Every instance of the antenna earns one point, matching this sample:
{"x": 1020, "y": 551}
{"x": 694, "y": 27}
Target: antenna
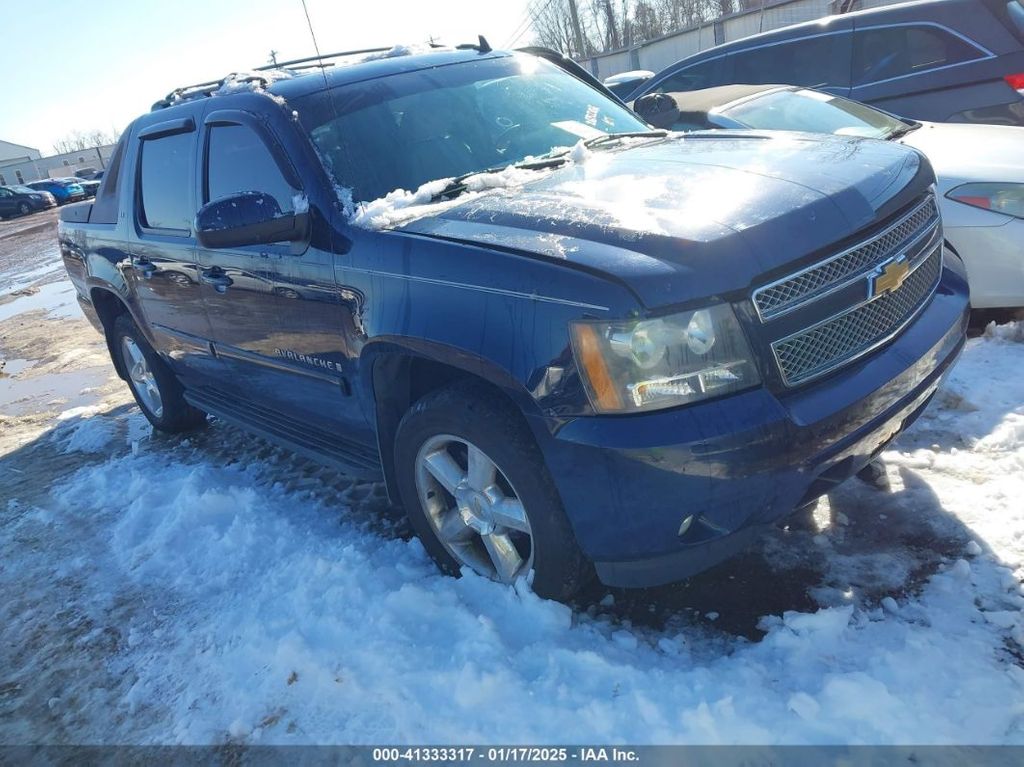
{"x": 316, "y": 46}
{"x": 483, "y": 46}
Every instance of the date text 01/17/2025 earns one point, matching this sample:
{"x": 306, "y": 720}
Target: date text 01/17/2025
{"x": 503, "y": 754}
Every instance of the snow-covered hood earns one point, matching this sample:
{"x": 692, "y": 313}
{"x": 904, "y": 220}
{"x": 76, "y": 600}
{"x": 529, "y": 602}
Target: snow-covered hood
{"x": 691, "y": 217}
{"x": 960, "y": 153}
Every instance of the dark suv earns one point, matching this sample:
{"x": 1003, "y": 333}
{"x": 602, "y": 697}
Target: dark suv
{"x": 942, "y": 60}
{"x": 564, "y": 340}
{"x": 20, "y": 200}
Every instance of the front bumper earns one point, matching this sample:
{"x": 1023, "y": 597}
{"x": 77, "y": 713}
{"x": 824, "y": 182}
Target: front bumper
{"x": 994, "y": 257}
{"x": 741, "y": 462}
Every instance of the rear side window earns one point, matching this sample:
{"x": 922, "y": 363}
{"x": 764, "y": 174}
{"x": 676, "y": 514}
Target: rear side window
{"x": 164, "y": 182}
{"x": 104, "y": 208}
{"x": 811, "y": 62}
{"x": 882, "y": 53}
{"x": 239, "y": 161}
{"x": 703, "y": 74}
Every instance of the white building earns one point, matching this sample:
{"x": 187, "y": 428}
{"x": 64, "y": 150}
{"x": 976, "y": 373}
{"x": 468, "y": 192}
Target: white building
{"x": 21, "y": 164}
{"x": 14, "y": 155}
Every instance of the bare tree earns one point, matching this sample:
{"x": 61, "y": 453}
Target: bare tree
{"x": 607, "y": 21}
{"x": 552, "y": 26}
{"x": 78, "y": 140}
{"x": 647, "y": 23}
{"x": 610, "y": 24}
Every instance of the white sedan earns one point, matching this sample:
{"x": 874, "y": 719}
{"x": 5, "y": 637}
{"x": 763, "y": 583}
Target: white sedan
{"x": 980, "y": 168}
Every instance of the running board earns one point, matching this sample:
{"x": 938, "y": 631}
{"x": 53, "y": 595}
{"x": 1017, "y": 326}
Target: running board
{"x": 351, "y": 457}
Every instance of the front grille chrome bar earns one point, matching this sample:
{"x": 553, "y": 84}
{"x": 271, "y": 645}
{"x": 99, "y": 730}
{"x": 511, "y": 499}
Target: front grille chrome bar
{"x": 825, "y": 277}
{"x": 860, "y": 329}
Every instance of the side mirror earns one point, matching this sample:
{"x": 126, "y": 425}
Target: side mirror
{"x": 657, "y": 109}
{"x": 248, "y": 218}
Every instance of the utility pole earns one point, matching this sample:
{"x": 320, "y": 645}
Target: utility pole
{"x": 574, "y": 16}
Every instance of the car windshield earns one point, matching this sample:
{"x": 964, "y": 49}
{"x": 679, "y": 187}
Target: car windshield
{"x": 401, "y": 131}
{"x": 814, "y": 112}
{"x": 21, "y": 189}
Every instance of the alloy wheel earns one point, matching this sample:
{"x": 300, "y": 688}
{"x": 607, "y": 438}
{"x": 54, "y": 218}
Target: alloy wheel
{"x": 141, "y": 377}
{"x": 473, "y": 508}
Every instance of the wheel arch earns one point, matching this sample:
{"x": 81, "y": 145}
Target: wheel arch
{"x": 109, "y": 305}
{"x": 399, "y": 374}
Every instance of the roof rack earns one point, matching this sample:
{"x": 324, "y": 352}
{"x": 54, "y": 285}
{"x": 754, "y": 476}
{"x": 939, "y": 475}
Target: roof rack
{"x": 201, "y": 90}
{"x": 307, "y": 59}
{"x": 316, "y": 60}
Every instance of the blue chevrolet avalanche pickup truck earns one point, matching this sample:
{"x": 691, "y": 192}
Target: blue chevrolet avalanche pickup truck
{"x": 628, "y": 354}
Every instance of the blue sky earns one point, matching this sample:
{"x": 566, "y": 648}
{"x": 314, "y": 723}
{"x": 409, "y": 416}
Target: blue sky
{"x": 85, "y": 65}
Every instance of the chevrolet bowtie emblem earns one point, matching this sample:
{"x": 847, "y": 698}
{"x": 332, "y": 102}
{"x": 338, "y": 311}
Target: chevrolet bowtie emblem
{"x": 888, "y": 276}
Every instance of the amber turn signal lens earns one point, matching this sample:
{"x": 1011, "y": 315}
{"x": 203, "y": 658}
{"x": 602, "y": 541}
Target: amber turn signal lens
{"x": 588, "y": 349}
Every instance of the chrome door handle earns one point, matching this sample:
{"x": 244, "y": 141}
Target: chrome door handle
{"x": 145, "y": 268}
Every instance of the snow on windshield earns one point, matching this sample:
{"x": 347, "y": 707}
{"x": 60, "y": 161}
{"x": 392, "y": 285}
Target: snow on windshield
{"x": 402, "y": 205}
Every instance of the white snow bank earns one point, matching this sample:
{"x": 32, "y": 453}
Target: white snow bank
{"x": 261, "y": 615}
{"x": 273, "y": 606}
{"x": 1011, "y": 331}
{"x": 82, "y": 430}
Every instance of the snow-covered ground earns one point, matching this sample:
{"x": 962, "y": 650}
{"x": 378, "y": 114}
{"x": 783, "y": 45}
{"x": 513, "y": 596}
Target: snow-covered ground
{"x": 215, "y": 589}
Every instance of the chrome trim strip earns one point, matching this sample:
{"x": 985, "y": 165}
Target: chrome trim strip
{"x": 917, "y": 74}
{"x": 478, "y": 288}
{"x": 842, "y": 361}
{"x": 814, "y": 296}
{"x": 281, "y": 365}
{"x": 852, "y": 31}
{"x": 198, "y": 342}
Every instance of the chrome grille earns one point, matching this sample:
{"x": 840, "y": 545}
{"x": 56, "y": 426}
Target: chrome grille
{"x": 791, "y": 292}
{"x": 825, "y": 346}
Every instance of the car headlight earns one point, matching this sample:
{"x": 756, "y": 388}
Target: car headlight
{"x": 35, "y": 197}
{"x": 999, "y": 197}
{"x": 636, "y": 365}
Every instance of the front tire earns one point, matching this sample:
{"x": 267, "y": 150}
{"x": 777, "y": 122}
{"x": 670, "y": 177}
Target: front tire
{"x": 478, "y": 494}
{"x": 156, "y": 389}
{"x": 24, "y": 209}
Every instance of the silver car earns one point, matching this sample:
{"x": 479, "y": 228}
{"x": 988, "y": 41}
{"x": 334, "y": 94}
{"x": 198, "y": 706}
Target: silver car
{"x": 980, "y": 168}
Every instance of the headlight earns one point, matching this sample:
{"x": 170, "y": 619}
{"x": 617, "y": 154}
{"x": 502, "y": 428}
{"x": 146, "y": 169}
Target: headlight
{"x": 998, "y": 197}
{"x": 649, "y": 364}
{"x": 35, "y": 197}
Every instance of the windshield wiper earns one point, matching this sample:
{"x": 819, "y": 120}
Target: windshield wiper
{"x": 590, "y": 143}
{"x": 902, "y": 131}
{"x": 458, "y": 185}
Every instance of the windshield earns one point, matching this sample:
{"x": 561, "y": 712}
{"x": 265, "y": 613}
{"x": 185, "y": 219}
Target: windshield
{"x": 401, "y": 131}
{"x": 22, "y": 189}
{"x": 814, "y": 112}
